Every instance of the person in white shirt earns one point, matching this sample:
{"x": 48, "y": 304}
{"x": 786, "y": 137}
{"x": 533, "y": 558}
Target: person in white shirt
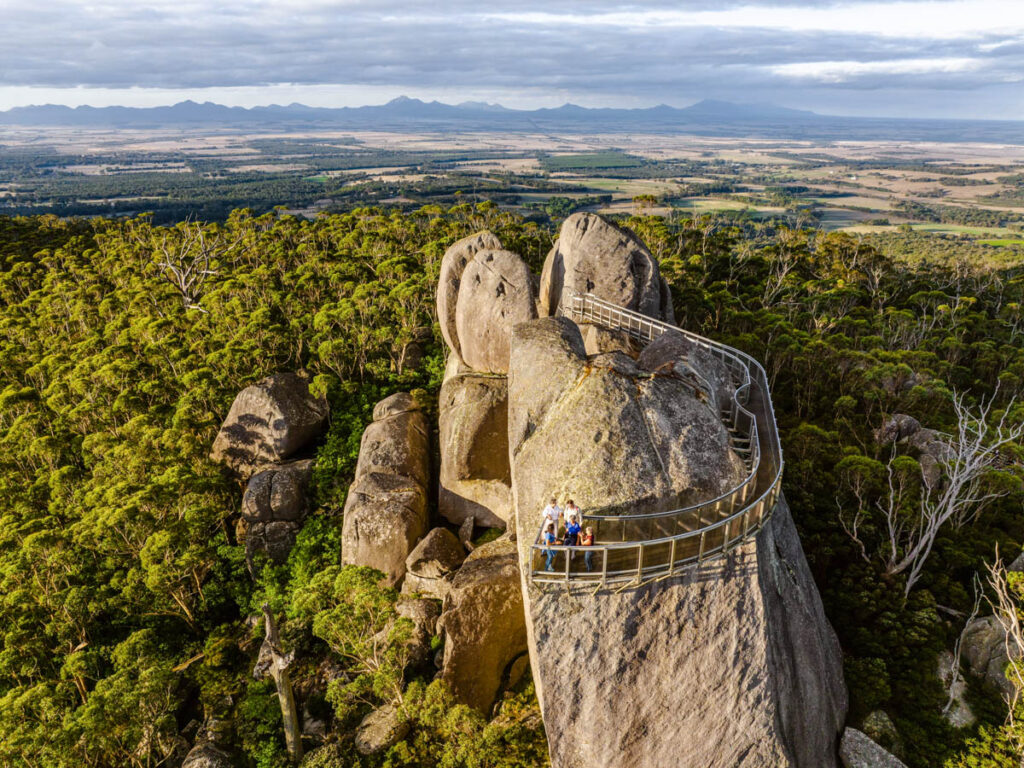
{"x": 552, "y": 514}
{"x": 572, "y": 509}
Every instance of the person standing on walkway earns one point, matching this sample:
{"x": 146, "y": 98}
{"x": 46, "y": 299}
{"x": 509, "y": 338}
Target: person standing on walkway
{"x": 572, "y": 509}
{"x": 572, "y": 533}
{"x": 552, "y": 514}
{"x": 548, "y": 537}
{"x": 587, "y": 540}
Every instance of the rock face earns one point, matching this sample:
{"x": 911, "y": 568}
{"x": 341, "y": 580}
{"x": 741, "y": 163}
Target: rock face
{"x": 475, "y": 477}
{"x": 270, "y": 421}
{"x": 595, "y": 256}
{"x": 452, "y": 266}
{"x": 734, "y": 664}
{"x": 483, "y": 624}
{"x": 386, "y": 509}
{"x": 959, "y": 713}
{"x": 598, "y": 339}
{"x": 858, "y": 751}
{"x": 731, "y": 664}
{"x": 496, "y": 293}
{"x": 604, "y": 431}
{"x": 674, "y": 353}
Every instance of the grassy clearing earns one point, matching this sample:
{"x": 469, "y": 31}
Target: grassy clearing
{"x": 1002, "y": 242}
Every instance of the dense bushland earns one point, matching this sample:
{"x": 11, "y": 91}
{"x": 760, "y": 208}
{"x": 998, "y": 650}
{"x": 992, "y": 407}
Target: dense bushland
{"x": 125, "y": 601}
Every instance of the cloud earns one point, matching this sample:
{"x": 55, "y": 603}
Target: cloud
{"x": 910, "y": 55}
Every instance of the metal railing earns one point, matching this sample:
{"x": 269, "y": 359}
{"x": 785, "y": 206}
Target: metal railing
{"x": 641, "y": 545}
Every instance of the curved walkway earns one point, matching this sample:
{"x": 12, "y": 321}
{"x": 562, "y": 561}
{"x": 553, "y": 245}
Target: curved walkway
{"x": 638, "y": 547}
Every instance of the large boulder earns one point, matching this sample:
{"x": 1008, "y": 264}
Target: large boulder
{"x": 268, "y": 422}
{"x": 858, "y": 751}
{"x": 475, "y": 479}
{"x": 278, "y": 493}
{"x": 273, "y": 507}
{"x": 483, "y": 624}
{"x": 605, "y": 432}
{"x": 385, "y": 516}
{"x": 730, "y": 664}
{"x": 386, "y": 509}
{"x": 452, "y": 266}
{"x": 439, "y": 554}
{"x": 380, "y": 730}
{"x": 593, "y": 255}
{"x": 496, "y": 293}
{"x": 396, "y": 442}
{"x": 984, "y": 650}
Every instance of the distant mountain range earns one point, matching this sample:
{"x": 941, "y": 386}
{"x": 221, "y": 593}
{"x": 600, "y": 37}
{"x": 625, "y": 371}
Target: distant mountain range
{"x": 707, "y": 118}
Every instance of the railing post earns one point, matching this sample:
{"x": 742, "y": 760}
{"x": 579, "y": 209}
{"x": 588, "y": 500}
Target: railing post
{"x": 604, "y": 566}
{"x": 672, "y": 558}
{"x": 700, "y": 548}
{"x": 640, "y": 563}
{"x": 568, "y": 564}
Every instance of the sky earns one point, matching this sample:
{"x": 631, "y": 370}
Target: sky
{"x": 913, "y": 58}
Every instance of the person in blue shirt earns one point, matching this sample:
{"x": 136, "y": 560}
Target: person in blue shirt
{"x": 572, "y": 534}
{"x": 549, "y": 538}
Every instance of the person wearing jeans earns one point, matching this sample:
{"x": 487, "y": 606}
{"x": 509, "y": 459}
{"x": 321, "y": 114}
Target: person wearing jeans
{"x": 549, "y": 538}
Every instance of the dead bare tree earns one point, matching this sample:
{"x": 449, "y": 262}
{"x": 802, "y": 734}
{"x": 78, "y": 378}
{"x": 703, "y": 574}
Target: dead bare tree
{"x": 967, "y": 461}
{"x": 186, "y": 256}
{"x": 1009, "y": 612}
{"x": 273, "y": 662}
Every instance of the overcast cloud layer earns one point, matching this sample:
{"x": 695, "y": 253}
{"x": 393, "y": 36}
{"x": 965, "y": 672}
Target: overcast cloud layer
{"x": 955, "y": 58}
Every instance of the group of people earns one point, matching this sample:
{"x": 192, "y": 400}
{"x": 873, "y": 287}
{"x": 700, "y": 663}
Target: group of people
{"x": 568, "y": 523}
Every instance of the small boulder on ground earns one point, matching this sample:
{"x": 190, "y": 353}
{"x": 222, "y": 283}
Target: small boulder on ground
{"x": 380, "y": 730}
{"x": 206, "y": 755}
{"x": 483, "y": 624}
{"x": 269, "y": 421}
{"x": 897, "y": 427}
{"x": 858, "y": 751}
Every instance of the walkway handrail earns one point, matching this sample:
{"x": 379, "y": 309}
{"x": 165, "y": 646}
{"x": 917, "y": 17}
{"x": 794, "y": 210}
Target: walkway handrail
{"x": 638, "y": 546}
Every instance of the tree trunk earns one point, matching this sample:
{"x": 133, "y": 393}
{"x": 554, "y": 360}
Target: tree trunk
{"x": 273, "y": 662}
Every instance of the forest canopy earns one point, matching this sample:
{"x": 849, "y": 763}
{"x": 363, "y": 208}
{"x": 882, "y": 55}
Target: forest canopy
{"x": 126, "y": 606}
